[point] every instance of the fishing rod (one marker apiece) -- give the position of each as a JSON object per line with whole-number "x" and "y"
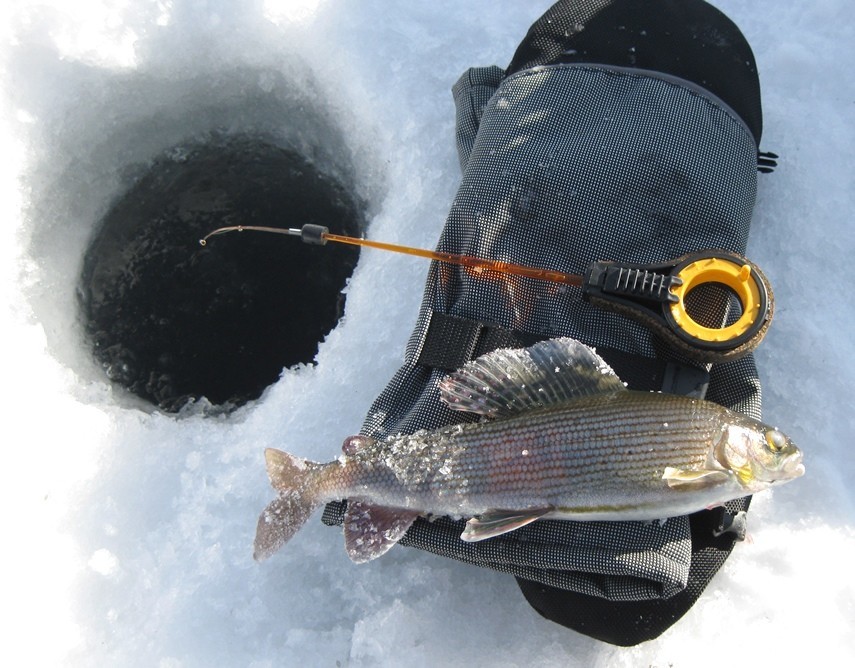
{"x": 652, "y": 294}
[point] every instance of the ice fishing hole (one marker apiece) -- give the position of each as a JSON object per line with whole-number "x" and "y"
{"x": 172, "y": 321}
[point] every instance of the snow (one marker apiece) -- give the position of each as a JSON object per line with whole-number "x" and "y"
{"x": 129, "y": 531}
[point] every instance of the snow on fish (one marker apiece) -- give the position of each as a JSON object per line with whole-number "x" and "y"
{"x": 562, "y": 438}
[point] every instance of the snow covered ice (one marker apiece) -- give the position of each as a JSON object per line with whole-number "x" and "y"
{"x": 128, "y": 532}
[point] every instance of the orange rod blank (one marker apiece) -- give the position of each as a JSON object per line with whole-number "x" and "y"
{"x": 319, "y": 235}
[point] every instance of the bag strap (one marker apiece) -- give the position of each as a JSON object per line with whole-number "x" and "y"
{"x": 450, "y": 341}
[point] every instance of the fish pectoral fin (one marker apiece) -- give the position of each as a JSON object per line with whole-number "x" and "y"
{"x": 370, "y": 531}
{"x": 693, "y": 479}
{"x": 496, "y": 522}
{"x": 745, "y": 475}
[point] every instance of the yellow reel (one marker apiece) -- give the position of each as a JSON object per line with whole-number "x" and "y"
{"x": 656, "y": 296}
{"x": 738, "y": 275}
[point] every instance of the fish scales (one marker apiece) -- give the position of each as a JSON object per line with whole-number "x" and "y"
{"x": 562, "y": 438}
{"x": 582, "y": 454}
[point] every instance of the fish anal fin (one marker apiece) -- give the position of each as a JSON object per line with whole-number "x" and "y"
{"x": 693, "y": 479}
{"x": 370, "y": 530}
{"x": 497, "y": 522}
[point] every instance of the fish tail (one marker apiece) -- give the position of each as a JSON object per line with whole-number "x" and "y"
{"x": 296, "y": 481}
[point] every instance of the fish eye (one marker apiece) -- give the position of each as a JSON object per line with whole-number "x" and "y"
{"x": 775, "y": 440}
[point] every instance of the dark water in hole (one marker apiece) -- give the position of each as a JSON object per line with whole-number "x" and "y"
{"x": 171, "y": 320}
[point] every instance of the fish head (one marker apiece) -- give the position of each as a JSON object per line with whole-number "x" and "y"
{"x": 759, "y": 455}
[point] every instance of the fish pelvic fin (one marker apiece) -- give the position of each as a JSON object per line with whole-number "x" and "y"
{"x": 370, "y": 531}
{"x": 295, "y": 479}
{"x": 496, "y": 522}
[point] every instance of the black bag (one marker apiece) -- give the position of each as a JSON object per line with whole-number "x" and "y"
{"x": 614, "y": 134}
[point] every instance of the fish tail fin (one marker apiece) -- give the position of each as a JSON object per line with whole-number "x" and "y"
{"x": 295, "y": 480}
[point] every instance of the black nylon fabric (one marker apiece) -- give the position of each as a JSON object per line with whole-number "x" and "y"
{"x": 630, "y": 623}
{"x": 690, "y": 39}
{"x": 598, "y": 176}
{"x": 577, "y": 163}
{"x": 565, "y": 163}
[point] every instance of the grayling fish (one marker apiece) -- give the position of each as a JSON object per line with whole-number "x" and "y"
{"x": 563, "y": 439}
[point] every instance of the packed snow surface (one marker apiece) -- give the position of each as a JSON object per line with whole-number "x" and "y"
{"x": 128, "y": 532}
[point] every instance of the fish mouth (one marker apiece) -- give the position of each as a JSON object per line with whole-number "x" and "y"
{"x": 793, "y": 466}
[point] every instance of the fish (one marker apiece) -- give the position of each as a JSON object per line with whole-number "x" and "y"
{"x": 559, "y": 437}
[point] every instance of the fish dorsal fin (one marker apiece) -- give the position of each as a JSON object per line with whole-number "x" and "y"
{"x": 508, "y": 381}
{"x": 370, "y": 531}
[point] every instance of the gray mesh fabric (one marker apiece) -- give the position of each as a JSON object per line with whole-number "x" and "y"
{"x": 564, "y": 165}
